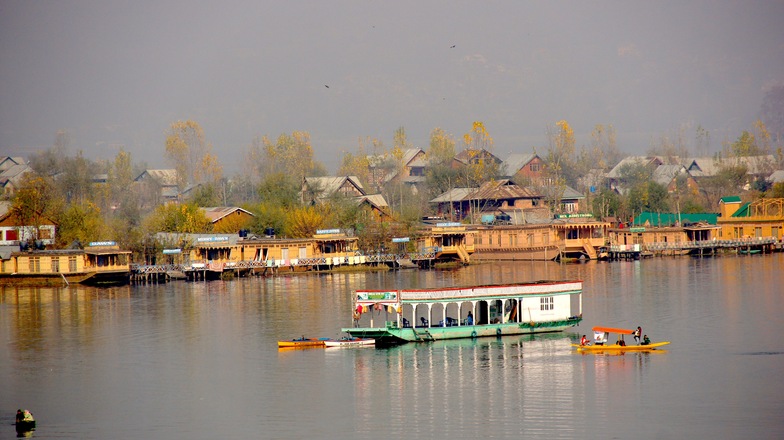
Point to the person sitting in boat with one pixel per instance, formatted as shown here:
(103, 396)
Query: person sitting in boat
(470, 319)
(584, 341)
(621, 342)
(646, 340)
(24, 416)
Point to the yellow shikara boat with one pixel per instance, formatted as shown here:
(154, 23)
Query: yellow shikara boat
(302, 342)
(602, 342)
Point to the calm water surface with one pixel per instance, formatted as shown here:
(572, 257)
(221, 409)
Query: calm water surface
(200, 361)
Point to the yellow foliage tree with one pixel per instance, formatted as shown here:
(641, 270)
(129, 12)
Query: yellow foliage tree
(292, 155)
(304, 222)
(232, 224)
(190, 154)
(442, 147)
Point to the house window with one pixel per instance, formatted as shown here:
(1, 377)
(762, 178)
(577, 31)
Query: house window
(44, 233)
(35, 264)
(71, 264)
(546, 303)
(11, 234)
(55, 264)
(535, 167)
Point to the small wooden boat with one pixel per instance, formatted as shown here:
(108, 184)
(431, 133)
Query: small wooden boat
(24, 421)
(349, 341)
(602, 342)
(302, 342)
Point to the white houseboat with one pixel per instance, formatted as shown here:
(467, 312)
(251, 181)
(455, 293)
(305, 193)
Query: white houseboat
(399, 316)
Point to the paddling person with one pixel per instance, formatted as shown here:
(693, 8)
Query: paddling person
(646, 340)
(584, 341)
(637, 334)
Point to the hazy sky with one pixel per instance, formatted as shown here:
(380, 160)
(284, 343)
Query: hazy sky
(116, 73)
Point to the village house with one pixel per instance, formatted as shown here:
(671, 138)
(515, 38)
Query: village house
(320, 189)
(160, 183)
(14, 232)
(523, 168)
(228, 219)
(12, 169)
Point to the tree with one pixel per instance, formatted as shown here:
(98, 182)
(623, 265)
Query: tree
(650, 196)
(304, 222)
(442, 148)
(604, 149)
(34, 202)
(729, 179)
(181, 218)
(559, 162)
(84, 223)
(607, 203)
(290, 154)
(190, 154)
(357, 165)
(481, 166)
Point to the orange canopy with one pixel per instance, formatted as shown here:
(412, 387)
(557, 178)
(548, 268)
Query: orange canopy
(622, 331)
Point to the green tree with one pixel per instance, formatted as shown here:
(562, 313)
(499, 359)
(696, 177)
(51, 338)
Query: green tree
(649, 196)
(606, 204)
(181, 218)
(82, 222)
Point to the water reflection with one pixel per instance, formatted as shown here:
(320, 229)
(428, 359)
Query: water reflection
(200, 360)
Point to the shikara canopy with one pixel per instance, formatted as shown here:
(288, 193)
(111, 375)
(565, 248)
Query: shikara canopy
(622, 331)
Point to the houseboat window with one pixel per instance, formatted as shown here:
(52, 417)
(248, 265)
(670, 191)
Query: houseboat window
(530, 239)
(546, 238)
(55, 264)
(758, 231)
(35, 264)
(303, 252)
(499, 240)
(572, 234)
(738, 232)
(479, 238)
(546, 303)
(72, 264)
(774, 231)
(637, 238)
(513, 239)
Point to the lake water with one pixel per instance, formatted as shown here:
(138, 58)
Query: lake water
(200, 361)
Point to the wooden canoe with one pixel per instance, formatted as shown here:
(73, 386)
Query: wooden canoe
(302, 342)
